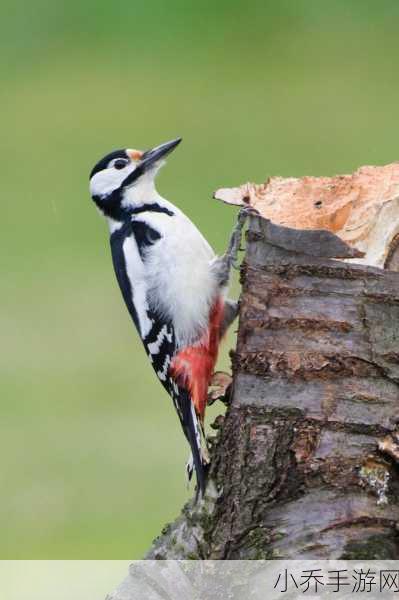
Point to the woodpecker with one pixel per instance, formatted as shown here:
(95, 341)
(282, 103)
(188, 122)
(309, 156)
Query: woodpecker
(173, 284)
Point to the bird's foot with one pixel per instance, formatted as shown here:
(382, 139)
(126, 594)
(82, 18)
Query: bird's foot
(231, 255)
(223, 264)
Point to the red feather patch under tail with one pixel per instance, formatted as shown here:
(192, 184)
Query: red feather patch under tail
(193, 366)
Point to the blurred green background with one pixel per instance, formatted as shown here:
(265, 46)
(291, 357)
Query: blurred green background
(92, 457)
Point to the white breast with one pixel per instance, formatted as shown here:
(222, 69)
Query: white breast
(180, 283)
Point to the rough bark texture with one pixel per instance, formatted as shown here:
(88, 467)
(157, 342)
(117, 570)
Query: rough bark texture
(296, 470)
(305, 462)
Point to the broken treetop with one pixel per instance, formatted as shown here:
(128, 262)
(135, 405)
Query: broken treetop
(362, 209)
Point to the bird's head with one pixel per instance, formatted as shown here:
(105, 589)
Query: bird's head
(124, 179)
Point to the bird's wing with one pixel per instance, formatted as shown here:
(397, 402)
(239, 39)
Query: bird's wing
(142, 275)
(160, 344)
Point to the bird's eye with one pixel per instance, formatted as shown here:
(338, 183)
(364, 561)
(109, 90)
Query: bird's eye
(120, 163)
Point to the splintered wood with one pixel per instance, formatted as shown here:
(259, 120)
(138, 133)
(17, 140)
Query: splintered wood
(362, 209)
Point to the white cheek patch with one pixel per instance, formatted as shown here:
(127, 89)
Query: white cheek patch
(106, 181)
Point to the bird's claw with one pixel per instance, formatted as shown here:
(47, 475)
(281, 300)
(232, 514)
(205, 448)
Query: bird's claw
(235, 240)
(229, 260)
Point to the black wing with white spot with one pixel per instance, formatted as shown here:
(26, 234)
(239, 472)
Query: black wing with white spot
(161, 348)
(159, 340)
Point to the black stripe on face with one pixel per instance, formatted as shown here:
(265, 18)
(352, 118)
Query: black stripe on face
(103, 163)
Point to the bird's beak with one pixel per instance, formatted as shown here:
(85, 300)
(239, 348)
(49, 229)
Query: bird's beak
(147, 160)
(150, 157)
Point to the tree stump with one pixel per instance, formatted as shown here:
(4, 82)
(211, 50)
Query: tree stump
(305, 462)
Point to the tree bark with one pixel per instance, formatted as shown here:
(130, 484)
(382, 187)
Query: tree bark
(304, 464)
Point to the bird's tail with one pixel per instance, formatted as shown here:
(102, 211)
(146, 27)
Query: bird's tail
(192, 431)
(191, 370)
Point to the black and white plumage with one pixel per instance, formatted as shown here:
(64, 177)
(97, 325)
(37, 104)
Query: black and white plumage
(172, 283)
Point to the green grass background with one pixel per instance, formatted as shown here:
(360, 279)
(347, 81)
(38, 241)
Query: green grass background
(91, 452)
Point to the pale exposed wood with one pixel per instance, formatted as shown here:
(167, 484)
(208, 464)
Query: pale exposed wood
(362, 209)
